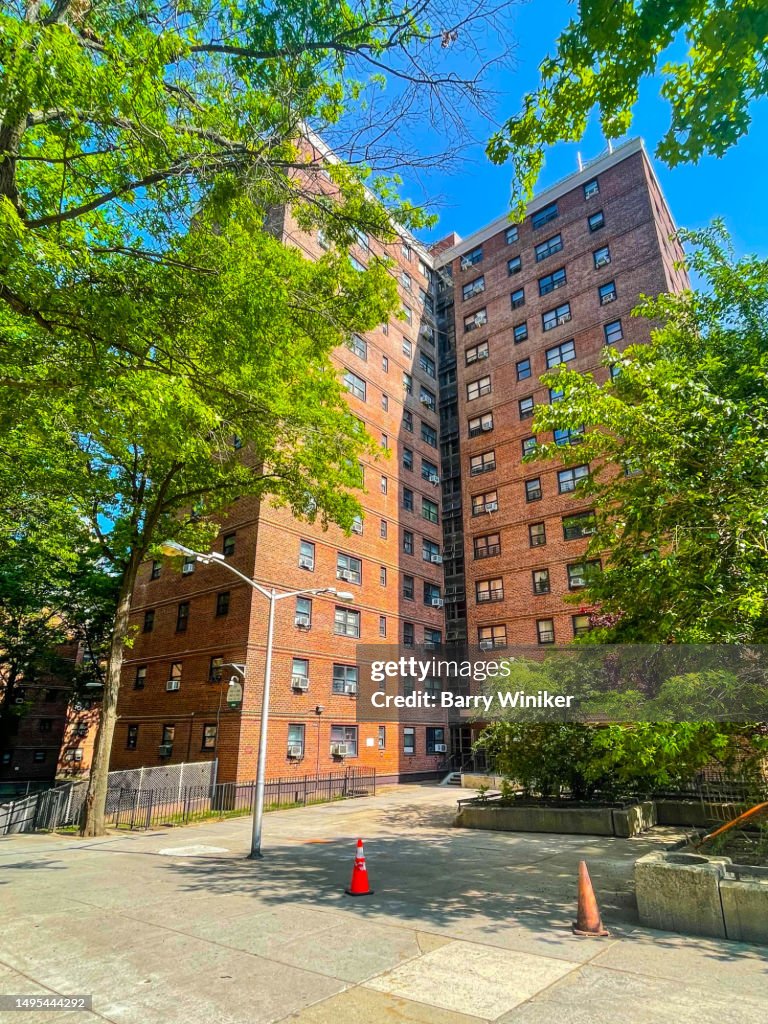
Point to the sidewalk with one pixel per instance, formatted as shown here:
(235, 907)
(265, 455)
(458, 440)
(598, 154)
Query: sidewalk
(177, 927)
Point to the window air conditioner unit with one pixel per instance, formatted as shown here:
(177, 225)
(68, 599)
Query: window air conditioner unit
(564, 318)
(603, 261)
(357, 527)
(481, 319)
(305, 562)
(295, 750)
(165, 749)
(485, 427)
(608, 298)
(491, 506)
(302, 622)
(345, 574)
(436, 559)
(338, 750)
(465, 263)
(437, 602)
(486, 645)
(441, 748)
(173, 684)
(299, 682)
(433, 478)
(187, 568)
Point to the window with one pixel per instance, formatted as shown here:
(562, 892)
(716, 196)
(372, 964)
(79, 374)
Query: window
(435, 738)
(174, 676)
(484, 463)
(579, 573)
(169, 732)
(427, 398)
(478, 388)
(489, 590)
(385, 365)
(432, 638)
(81, 729)
(562, 353)
(537, 535)
(382, 737)
(228, 545)
(523, 368)
(427, 364)
(188, 565)
(568, 436)
(149, 620)
(517, 298)
(345, 735)
(409, 587)
(591, 189)
(525, 407)
(580, 624)
(556, 317)
(409, 740)
(488, 502)
(405, 280)
(596, 221)
(346, 623)
(7, 757)
(322, 239)
(140, 679)
(408, 421)
(540, 581)
(304, 612)
(481, 424)
(349, 568)
(555, 395)
(45, 724)
(355, 385)
(476, 352)
(429, 510)
(357, 525)
(222, 603)
(383, 485)
(408, 502)
(607, 293)
(408, 634)
(157, 568)
(296, 740)
(345, 679)
(473, 256)
(545, 631)
(487, 546)
(474, 320)
(182, 617)
(405, 251)
(428, 434)
(548, 248)
(601, 257)
(39, 756)
(544, 216)
(306, 555)
(582, 524)
(407, 348)
(431, 593)
(551, 282)
(567, 479)
(533, 489)
(492, 636)
(383, 529)
(472, 288)
(520, 332)
(382, 576)
(613, 332)
(408, 459)
(512, 234)
(209, 736)
(514, 266)
(382, 625)
(359, 346)
(71, 754)
(215, 668)
(528, 445)
(132, 737)
(429, 471)
(408, 315)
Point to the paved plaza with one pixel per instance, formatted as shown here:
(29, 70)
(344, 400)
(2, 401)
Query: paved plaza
(178, 927)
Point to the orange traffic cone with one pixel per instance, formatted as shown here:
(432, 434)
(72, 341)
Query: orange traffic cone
(359, 885)
(588, 920)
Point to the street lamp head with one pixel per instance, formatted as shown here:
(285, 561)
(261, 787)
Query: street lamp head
(344, 595)
(173, 549)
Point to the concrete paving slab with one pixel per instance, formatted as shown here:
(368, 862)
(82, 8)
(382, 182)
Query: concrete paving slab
(476, 980)
(363, 1005)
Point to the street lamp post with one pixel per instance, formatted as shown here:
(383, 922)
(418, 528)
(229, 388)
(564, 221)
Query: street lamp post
(173, 549)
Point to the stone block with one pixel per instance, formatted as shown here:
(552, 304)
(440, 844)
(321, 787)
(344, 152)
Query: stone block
(745, 909)
(679, 892)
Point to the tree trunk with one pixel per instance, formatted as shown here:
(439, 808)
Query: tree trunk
(95, 801)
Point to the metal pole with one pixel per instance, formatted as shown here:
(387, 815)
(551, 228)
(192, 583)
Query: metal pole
(261, 769)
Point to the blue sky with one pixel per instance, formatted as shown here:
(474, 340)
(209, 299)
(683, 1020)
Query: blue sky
(732, 187)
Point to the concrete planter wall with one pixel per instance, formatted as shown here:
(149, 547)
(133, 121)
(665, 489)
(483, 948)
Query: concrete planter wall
(696, 813)
(591, 821)
(697, 895)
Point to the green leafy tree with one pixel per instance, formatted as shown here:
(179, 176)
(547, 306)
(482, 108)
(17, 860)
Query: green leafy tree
(678, 449)
(602, 58)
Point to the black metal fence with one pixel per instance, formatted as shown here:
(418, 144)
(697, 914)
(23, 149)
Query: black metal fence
(178, 805)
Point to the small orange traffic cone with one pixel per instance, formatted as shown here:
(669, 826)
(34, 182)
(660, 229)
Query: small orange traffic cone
(359, 885)
(588, 920)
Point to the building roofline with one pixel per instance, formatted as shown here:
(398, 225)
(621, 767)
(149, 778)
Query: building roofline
(595, 166)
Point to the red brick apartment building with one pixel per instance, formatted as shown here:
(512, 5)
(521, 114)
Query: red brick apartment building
(451, 516)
